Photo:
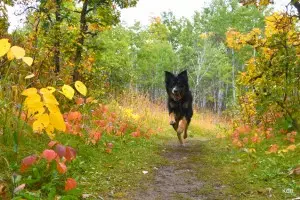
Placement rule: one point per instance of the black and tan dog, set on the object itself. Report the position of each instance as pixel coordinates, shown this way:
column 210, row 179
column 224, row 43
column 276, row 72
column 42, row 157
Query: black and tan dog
column 179, row 102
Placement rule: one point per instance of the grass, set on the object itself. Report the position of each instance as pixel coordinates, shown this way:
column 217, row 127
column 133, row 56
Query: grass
column 228, row 172
column 246, row 176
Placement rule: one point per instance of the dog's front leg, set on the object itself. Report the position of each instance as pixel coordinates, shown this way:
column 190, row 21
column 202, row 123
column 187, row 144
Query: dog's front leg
column 172, row 118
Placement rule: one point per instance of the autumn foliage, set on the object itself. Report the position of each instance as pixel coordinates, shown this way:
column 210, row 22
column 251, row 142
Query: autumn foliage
column 269, row 103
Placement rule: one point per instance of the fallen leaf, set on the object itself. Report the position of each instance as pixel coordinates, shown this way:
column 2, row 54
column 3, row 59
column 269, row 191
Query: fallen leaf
column 19, row 188
column 29, row 76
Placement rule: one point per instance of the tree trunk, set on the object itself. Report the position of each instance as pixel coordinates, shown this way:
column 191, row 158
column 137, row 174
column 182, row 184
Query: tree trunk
column 58, row 19
column 83, row 29
column 233, row 78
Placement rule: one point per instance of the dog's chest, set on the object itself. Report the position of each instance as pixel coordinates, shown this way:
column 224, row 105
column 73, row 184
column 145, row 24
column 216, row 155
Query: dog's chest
column 179, row 105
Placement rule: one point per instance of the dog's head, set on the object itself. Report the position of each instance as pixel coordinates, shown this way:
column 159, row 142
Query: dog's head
column 176, row 85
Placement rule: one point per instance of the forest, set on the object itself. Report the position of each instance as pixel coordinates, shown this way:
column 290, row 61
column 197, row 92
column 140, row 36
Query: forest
column 83, row 101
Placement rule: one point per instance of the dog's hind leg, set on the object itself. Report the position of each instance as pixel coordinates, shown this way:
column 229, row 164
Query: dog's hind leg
column 179, row 138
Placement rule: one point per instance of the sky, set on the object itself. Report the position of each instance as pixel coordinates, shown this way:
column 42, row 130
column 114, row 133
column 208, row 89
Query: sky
column 146, row 9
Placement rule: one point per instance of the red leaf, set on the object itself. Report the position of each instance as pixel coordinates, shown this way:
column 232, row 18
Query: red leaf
column 60, row 150
column 61, row 167
column 70, row 184
column 27, row 162
column 49, row 155
column 52, row 144
column 70, row 153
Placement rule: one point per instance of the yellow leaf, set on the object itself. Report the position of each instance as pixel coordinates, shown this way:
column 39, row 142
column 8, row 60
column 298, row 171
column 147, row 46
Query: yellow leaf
column 52, row 108
column 32, row 100
column 29, row 92
column 36, row 111
column 27, row 60
column 68, row 91
column 57, row 121
column 47, row 90
column 81, row 88
column 49, row 130
column 29, row 76
column 51, row 89
column 10, row 55
column 49, row 98
column 18, row 52
column 41, row 123
column 4, row 47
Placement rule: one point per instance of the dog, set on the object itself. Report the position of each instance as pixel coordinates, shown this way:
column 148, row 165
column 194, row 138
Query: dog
column 179, row 102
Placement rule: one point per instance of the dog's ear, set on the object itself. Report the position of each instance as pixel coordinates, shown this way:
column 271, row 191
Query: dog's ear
column 183, row 74
column 168, row 76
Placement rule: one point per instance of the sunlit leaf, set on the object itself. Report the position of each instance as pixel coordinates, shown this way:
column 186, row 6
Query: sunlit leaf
column 49, row 98
column 27, row 60
column 10, row 55
column 41, row 123
column 81, row 88
column 4, row 47
column 68, row 91
column 18, row 52
column 57, row 121
column 50, row 131
column 29, row 91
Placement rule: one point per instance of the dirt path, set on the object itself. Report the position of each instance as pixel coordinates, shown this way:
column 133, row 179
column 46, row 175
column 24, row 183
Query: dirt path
column 179, row 179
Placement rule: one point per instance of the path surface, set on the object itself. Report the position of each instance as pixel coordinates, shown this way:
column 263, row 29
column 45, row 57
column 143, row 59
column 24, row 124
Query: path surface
column 178, row 179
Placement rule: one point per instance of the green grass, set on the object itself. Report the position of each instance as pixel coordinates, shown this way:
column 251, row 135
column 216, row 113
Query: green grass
column 246, row 176
column 227, row 172
column 98, row 173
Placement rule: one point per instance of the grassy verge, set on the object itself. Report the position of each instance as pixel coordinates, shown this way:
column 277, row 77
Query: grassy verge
column 235, row 174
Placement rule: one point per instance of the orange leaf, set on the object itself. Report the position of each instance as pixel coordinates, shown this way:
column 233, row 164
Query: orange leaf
column 79, row 101
column 70, row 184
column 61, row 167
column 74, row 116
column 273, row 149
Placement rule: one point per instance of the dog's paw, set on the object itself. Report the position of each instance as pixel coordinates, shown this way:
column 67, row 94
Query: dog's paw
column 185, row 136
column 172, row 122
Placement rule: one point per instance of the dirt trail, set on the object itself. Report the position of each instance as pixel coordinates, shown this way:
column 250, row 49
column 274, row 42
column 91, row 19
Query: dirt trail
column 178, row 179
